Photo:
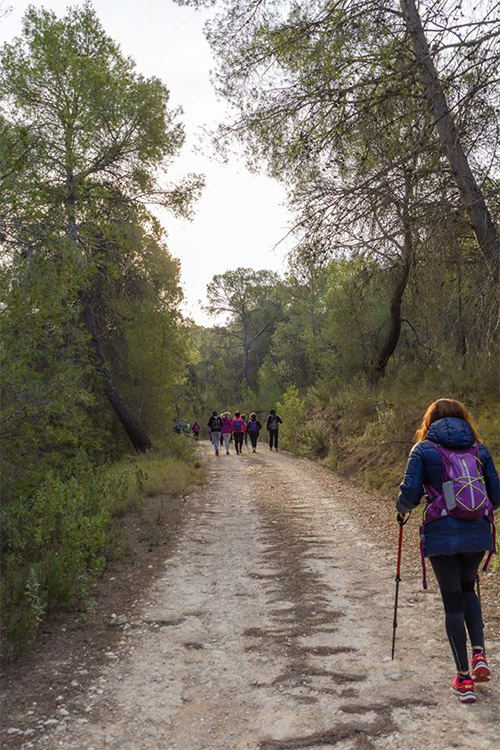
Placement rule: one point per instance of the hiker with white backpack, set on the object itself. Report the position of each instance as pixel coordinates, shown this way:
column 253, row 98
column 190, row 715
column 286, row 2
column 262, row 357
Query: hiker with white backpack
column 454, row 470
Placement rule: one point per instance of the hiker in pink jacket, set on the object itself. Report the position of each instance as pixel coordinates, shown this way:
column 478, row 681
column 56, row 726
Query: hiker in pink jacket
column 226, row 430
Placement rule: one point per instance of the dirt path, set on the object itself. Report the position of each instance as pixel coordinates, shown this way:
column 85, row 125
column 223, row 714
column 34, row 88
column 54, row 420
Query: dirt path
column 269, row 628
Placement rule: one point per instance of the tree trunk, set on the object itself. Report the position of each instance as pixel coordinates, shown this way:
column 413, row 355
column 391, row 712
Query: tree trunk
column 130, row 424
column 394, row 332
column 137, row 434
column 470, row 193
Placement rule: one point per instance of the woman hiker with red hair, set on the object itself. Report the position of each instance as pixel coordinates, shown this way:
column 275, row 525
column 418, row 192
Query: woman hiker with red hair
column 454, row 540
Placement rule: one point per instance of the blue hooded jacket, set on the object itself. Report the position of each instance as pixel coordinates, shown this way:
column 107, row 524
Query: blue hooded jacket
column 447, row 536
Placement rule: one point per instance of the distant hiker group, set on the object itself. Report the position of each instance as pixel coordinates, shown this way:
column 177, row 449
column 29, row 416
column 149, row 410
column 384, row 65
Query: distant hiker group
column 186, row 428
column 225, row 429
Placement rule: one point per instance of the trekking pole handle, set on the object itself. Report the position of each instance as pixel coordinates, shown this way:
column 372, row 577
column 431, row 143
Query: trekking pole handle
column 400, row 549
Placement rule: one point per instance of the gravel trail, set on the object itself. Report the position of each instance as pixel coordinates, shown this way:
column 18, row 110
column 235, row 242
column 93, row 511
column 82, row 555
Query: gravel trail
column 270, row 628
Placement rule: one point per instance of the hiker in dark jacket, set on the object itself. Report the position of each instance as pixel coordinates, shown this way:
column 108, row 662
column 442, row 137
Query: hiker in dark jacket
column 272, row 425
column 454, row 546
column 214, row 425
column 253, row 429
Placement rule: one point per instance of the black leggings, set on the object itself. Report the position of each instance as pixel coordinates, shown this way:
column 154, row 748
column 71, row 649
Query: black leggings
column 273, row 439
column 238, row 441
column 456, row 575
column 253, row 438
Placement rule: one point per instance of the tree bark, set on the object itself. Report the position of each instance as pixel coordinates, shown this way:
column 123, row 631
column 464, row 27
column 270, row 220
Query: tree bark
column 394, row 332
column 137, row 434
column 135, row 431
column 392, row 338
column 470, row 194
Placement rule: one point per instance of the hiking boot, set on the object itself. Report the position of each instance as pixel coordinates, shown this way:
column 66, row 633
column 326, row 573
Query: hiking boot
column 464, row 689
column 480, row 669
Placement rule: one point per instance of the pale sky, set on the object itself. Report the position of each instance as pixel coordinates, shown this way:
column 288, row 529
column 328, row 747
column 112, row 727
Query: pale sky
column 240, row 217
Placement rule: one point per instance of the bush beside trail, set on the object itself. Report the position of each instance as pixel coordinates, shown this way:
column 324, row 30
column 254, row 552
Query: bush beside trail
column 56, row 541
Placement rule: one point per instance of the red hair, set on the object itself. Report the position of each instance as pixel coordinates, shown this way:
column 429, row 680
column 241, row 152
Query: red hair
column 444, row 407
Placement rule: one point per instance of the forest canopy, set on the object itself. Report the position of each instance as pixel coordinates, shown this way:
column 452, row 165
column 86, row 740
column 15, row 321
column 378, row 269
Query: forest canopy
column 382, row 123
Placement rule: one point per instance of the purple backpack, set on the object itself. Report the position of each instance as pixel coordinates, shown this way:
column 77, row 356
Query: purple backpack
column 463, row 493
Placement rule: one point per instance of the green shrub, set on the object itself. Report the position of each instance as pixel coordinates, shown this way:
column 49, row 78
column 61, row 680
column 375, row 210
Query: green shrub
column 54, row 542
column 293, row 412
column 168, row 475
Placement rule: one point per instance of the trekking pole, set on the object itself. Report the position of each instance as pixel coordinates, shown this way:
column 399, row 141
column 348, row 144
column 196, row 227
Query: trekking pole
column 401, row 522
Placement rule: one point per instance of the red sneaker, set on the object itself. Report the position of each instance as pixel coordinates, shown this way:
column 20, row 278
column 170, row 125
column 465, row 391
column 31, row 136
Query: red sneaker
column 480, row 669
column 464, row 689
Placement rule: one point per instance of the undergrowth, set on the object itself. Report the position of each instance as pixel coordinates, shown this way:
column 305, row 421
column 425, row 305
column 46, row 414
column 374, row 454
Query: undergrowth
column 365, row 433
column 54, row 541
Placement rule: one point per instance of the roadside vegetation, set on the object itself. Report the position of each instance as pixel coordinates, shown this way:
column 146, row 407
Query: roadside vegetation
column 94, row 348
column 57, row 541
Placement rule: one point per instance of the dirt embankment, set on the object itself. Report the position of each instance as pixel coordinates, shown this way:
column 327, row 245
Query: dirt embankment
column 267, row 625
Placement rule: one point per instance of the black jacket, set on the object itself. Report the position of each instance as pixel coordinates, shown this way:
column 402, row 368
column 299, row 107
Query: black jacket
column 272, row 417
column 214, row 423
